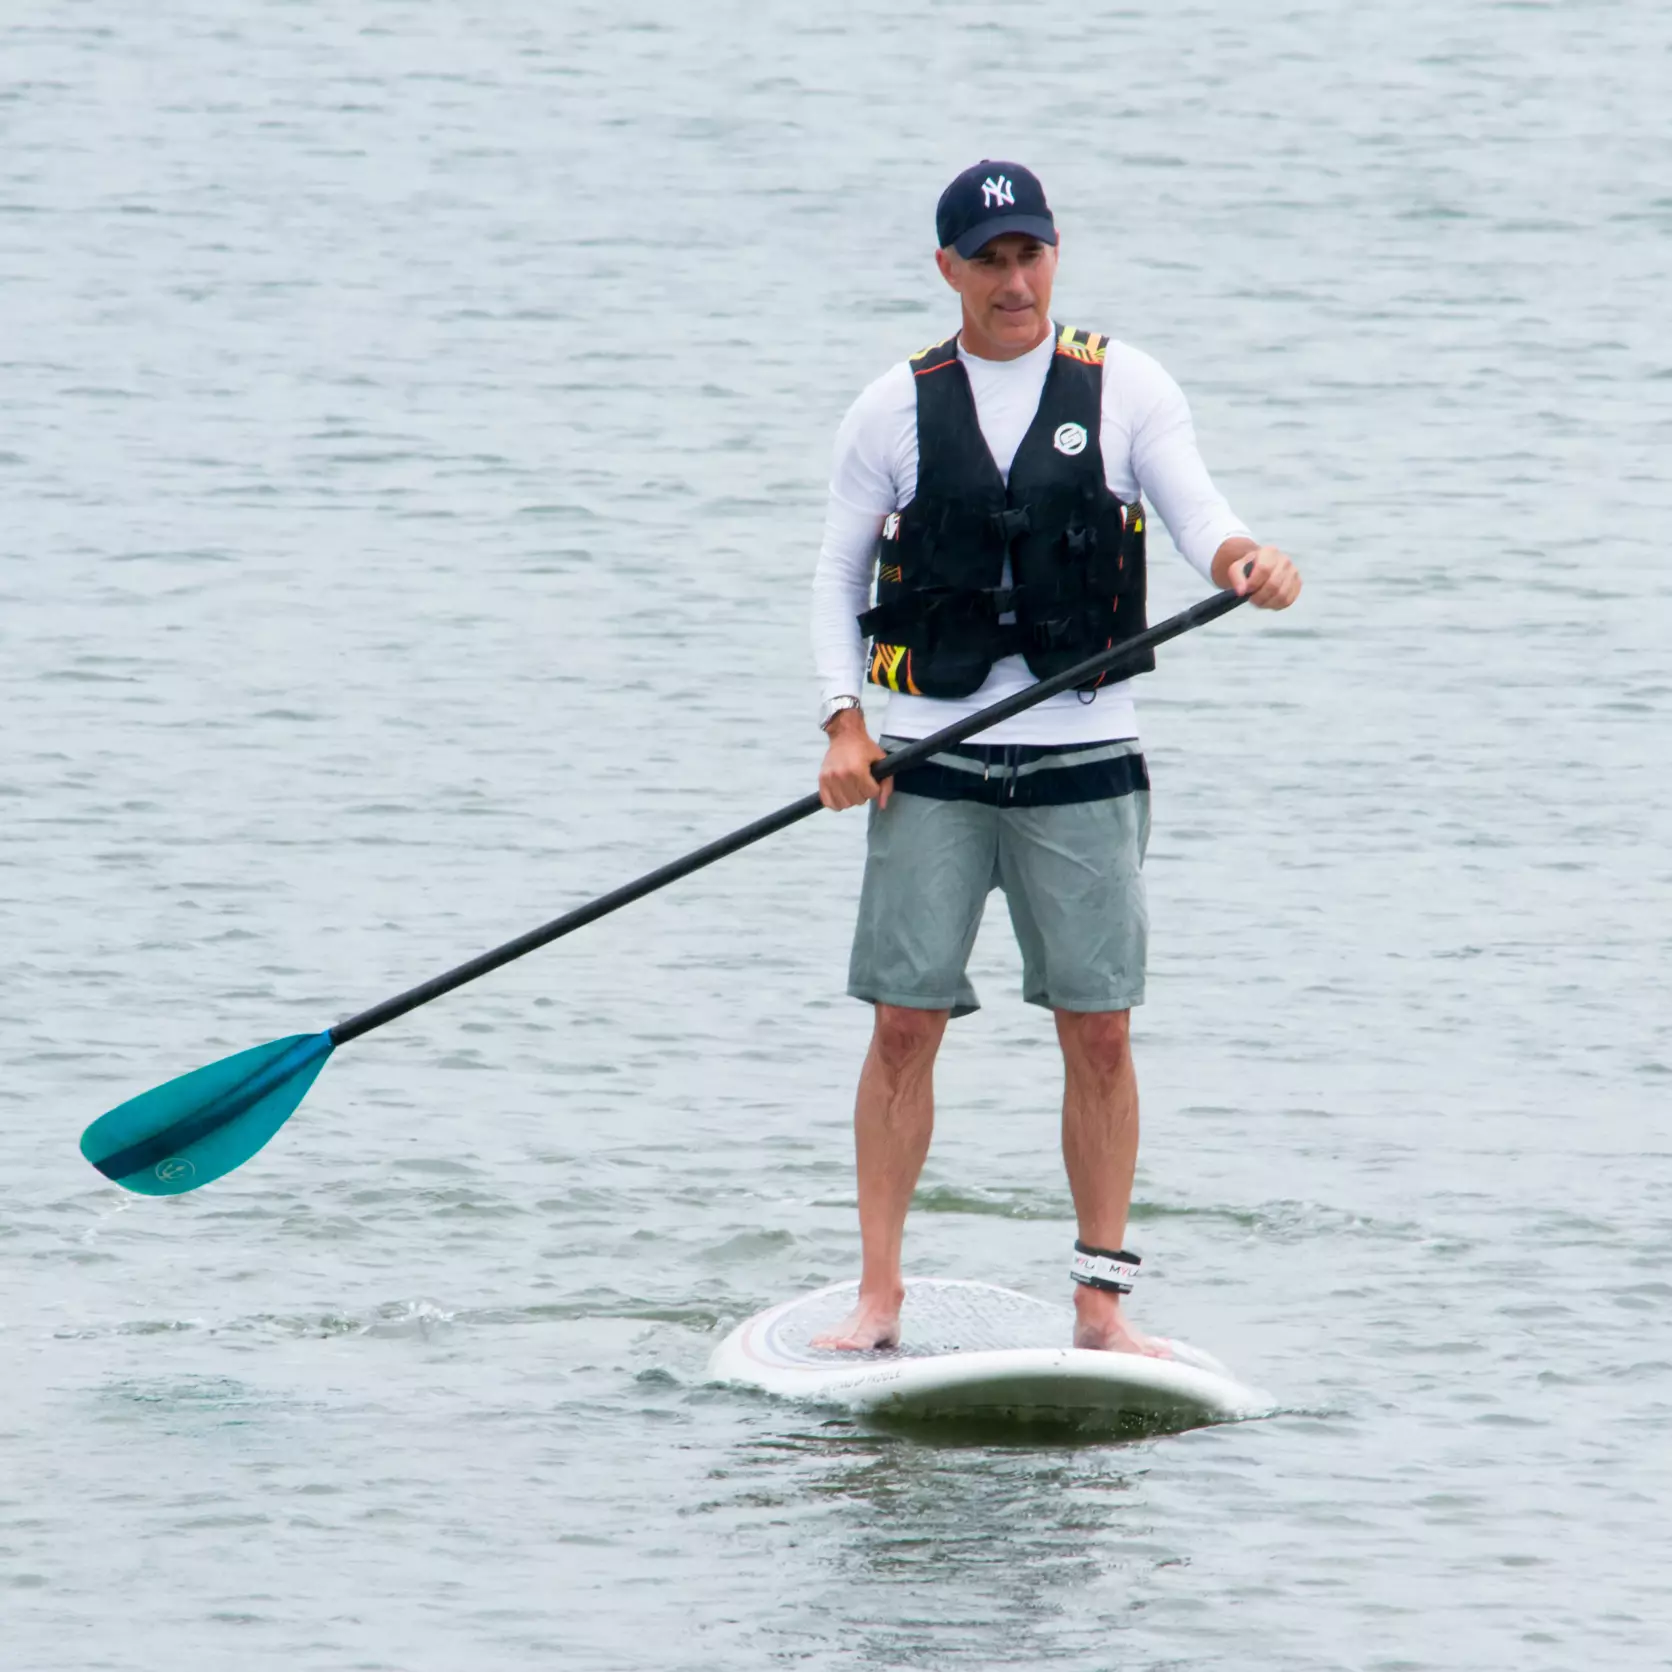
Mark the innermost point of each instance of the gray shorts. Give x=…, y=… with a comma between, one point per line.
x=1072, y=874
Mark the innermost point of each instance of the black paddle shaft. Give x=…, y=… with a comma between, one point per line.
x=1105, y=662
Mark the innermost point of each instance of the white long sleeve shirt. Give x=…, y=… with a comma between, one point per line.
x=1149, y=446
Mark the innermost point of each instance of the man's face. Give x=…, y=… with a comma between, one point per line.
x=1006, y=289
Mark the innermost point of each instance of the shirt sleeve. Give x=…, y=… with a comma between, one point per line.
x=1165, y=462
x=865, y=485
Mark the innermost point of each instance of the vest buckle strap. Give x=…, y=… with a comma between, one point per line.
x=893, y=620
x=1048, y=635
x=901, y=618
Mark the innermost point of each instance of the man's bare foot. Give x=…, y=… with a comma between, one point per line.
x=875, y=1322
x=1100, y=1324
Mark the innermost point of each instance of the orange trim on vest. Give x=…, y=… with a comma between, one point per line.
x=1089, y=351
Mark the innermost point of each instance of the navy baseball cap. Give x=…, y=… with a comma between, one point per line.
x=989, y=200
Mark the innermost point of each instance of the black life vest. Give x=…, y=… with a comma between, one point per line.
x=1076, y=550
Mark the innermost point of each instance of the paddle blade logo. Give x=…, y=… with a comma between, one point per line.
x=1070, y=439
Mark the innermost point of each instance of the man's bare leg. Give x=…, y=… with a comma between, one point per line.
x=893, y=1118
x=1100, y=1151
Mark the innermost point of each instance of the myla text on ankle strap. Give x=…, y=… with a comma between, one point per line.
x=1112, y=1269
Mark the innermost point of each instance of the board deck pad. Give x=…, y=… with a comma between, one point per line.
x=938, y=1317
x=975, y=1349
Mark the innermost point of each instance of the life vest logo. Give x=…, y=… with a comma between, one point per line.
x=891, y=526
x=995, y=194
x=1070, y=439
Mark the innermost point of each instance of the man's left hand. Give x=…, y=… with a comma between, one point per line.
x=1274, y=583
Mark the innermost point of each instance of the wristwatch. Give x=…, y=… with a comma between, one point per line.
x=832, y=707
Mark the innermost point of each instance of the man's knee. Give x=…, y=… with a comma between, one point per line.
x=904, y=1039
x=1097, y=1040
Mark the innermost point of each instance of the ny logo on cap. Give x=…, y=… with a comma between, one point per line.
x=996, y=192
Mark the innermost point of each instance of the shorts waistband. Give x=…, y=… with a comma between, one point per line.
x=1027, y=774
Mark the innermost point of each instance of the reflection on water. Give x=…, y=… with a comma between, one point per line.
x=1009, y=1540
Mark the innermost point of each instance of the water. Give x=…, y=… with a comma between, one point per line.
x=413, y=440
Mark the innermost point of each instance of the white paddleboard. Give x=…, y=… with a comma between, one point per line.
x=973, y=1349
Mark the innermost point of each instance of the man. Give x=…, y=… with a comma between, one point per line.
x=992, y=484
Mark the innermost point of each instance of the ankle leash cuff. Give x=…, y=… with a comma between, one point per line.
x=1112, y=1269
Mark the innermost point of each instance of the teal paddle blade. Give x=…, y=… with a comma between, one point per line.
x=177, y=1136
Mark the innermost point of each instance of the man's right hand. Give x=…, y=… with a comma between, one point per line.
x=845, y=777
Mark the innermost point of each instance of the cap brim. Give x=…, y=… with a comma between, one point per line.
x=977, y=238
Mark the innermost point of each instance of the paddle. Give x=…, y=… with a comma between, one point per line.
x=193, y=1129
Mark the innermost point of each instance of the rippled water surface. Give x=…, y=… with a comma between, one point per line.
x=412, y=447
